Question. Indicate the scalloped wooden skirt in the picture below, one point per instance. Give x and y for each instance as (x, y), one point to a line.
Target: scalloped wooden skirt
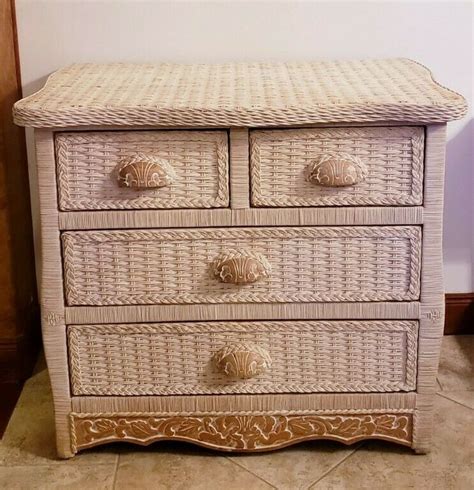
(240, 432)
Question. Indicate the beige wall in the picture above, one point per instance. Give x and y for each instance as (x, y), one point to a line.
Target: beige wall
(53, 33)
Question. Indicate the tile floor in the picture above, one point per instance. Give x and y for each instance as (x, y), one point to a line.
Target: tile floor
(27, 454)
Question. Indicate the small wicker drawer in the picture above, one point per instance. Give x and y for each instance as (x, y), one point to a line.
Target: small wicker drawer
(344, 166)
(241, 265)
(142, 169)
(243, 357)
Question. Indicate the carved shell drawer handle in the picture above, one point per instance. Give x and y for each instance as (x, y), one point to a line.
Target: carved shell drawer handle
(242, 360)
(336, 170)
(240, 267)
(145, 172)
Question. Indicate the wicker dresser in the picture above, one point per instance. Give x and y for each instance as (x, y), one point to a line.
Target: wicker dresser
(243, 256)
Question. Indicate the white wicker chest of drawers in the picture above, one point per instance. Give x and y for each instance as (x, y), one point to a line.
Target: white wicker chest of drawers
(242, 256)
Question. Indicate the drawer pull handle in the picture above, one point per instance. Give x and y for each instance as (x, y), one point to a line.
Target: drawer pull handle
(336, 170)
(145, 172)
(242, 360)
(240, 267)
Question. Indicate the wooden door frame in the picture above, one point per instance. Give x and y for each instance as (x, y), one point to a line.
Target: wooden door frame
(19, 312)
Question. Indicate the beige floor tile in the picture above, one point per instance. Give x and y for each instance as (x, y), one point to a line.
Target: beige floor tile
(30, 436)
(448, 467)
(465, 398)
(456, 367)
(297, 466)
(51, 477)
(182, 467)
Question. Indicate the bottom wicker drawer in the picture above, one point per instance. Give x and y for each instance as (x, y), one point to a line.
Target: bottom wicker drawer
(243, 357)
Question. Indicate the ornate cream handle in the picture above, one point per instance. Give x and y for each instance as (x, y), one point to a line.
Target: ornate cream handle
(240, 267)
(242, 360)
(336, 170)
(145, 172)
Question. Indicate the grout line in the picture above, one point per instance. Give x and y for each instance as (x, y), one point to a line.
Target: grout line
(343, 460)
(54, 462)
(439, 383)
(248, 471)
(443, 395)
(115, 471)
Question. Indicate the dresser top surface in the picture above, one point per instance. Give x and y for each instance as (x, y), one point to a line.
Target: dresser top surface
(239, 94)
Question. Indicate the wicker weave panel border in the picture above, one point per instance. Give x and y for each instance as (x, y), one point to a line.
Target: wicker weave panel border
(307, 264)
(241, 94)
(307, 357)
(393, 155)
(87, 169)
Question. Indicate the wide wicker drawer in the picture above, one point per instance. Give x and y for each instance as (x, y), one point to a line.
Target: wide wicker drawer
(219, 265)
(142, 169)
(243, 357)
(344, 166)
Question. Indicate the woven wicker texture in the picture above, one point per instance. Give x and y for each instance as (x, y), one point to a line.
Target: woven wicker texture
(393, 156)
(87, 169)
(307, 264)
(253, 94)
(306, 357)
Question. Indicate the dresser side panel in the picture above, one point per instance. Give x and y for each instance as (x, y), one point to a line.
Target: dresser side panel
(432, 291)
(52, 294)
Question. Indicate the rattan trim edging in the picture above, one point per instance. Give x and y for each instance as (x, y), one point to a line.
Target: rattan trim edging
(367, 197)
(249, 294)
(143, 200)
(88, 374)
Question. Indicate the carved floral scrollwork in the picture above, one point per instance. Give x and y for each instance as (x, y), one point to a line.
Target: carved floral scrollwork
(240, 432)
(240, 267)
(336, 170)
(242, 360)
(145, 172)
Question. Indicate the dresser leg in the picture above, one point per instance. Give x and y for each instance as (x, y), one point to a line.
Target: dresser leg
(423, 424)
(421, 450)
(65, 453)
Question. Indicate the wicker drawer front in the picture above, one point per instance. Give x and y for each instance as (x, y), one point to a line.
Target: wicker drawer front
(142, 169)
(243, 357)
(238, 265)
(337, 167)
